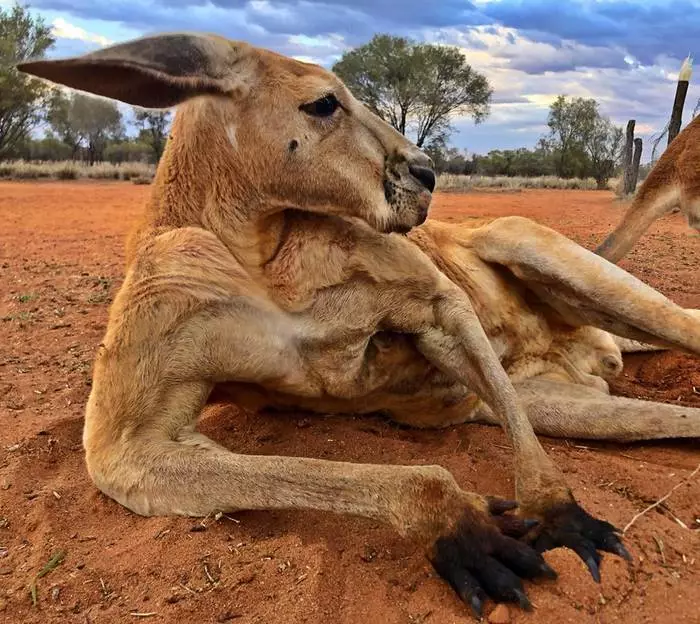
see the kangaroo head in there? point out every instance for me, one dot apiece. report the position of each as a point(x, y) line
point(288, 134)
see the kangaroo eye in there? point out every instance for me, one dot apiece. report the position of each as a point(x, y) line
point(323, 107)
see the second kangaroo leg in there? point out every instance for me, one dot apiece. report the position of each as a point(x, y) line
point(584, 288)
point(565, 410)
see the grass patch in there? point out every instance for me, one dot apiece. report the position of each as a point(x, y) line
point(68, 170)
point(52, 564)
point(451, 182)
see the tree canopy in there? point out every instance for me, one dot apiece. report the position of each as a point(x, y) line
point(416, 87)
point(584, 142)
point(153, 126)
point(87, 121)
point(22, 37)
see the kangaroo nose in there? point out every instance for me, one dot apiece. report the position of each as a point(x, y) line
point(424, 175)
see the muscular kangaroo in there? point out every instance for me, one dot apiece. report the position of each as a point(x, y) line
point(284, 256)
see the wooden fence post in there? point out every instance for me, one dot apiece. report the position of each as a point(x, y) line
point(674, 126)
point(627, 186)
point(635, 163)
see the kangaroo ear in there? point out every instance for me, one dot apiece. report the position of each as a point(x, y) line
point(157, 71)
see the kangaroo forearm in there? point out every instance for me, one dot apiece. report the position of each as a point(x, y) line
point(196, 477)
point(460, 347)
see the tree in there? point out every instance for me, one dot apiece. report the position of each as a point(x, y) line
point(603, 145)
point(415, 86)
point(154, 129)
point(569, 122)
point(127, 151)
point(98, 119)
point(48, 148)
point(449, 86)
point(87, 121)
point(518, 162)
point(22, 37)
point(583, 141)
point(60, 116)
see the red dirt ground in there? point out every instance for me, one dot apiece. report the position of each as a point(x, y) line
point(60, 265)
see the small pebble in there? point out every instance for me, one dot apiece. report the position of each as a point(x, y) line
point(500, 615)
point(55, 592)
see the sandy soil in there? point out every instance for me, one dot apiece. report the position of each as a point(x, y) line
point(60, 265)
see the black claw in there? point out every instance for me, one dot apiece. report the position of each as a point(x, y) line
point(612, 544)
point(498, 506)
point(619, 549)
point(544, 542)
point(526, 562)
point(477, 605)
point(548, 572)
point(512, 526)
point(569, 525)
point(480, 562)
point(523, 600)
point(593, 568)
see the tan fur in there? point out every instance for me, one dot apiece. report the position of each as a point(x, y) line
point(673, 182)
point(276, 275)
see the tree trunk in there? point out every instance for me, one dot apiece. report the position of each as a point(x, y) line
point(158, 148)
point(674, 126)
point(627, 186)
point(635, 163)
point(560, 165)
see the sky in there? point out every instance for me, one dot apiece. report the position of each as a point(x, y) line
point(624, 53)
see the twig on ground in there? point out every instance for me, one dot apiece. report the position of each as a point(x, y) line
point(661, 500)
point(660, 546)
point(51, 564)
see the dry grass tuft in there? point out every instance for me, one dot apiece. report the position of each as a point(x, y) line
point(142, 173)
point(450, 182)
point(67, 170)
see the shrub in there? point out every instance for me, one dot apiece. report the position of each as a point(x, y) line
point(68, 170)
point(449, 182)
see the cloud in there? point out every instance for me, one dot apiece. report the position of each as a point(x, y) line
point(529, 55)
point(646, 29)
point(357, 21)
point(65, 30)
point(623, 53)
point(527, 75)
point(596, 33)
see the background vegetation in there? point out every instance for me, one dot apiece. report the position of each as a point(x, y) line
point(47, 131)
